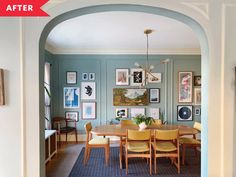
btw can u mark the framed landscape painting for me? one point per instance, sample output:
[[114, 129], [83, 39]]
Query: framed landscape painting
[[122, 76], [130, 97], [185, 86], [71, 97]]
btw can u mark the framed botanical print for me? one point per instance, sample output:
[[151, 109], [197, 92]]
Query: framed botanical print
[[71, 97], [136, 111], [137, 77], [154, 78], [184, 113], [197, 81], [197, 96], [185, 87], [122, 76], [122, 112], [72, 115], [71, 77], [88, 110], [154, 95], [88, 90]]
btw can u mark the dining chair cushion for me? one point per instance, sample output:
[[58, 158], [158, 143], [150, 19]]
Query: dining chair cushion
[[99, 141], [185, 140], [197, 126], [165, 146], [139, 135], [171, 135], [138, 146]]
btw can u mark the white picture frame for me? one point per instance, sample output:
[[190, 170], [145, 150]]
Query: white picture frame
[[137, 77], [72, 115], [197, 96], [71, 97], [71, 77], [88, 90], [136, 111], [122, 112], [122, 76], [184, 112], [89, 110], [84, 76], [91, 76], [154, 113], [154, 95], [154, 78]]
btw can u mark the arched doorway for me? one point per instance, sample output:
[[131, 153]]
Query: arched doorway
[[196, 27]]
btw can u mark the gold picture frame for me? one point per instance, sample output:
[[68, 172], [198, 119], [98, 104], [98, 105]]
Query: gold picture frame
[[2, 91]]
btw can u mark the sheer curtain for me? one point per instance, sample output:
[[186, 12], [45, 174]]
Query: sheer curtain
[[47, 96]]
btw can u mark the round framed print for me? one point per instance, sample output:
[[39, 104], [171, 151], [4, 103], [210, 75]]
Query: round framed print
[[184, 113]]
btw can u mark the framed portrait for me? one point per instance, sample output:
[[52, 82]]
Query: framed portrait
[[197, 111], [91, 76], [154, 113], [122, 112], [72, 115], [185, 88], [137, 77], [197, 96], [154, 95], [137, 111], [2, 91], [184, 113], [122, 76], [197, 81], [88, 90], [71, 97], [130, 97], [154, 78], [84, 76], [71, 77], [89, 110]]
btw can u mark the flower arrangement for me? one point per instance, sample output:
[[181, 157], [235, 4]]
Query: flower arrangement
[[142, 119]]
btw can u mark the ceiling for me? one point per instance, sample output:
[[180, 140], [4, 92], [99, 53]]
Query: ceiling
[[122, 32]]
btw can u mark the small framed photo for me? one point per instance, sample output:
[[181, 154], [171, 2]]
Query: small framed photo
[[122, 112], [137, 77], [72, 115], [184, 113], [71, 77], [91, 76], [84, 76], [89, 110], [122, 76], [154, 113], [137, 111], [88, 90], [197, 96], [154, 78], [71, 97], [197, 111], [154, 95], [197, 81]]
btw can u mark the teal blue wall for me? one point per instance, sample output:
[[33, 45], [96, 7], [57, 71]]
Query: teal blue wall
[[104, 67]]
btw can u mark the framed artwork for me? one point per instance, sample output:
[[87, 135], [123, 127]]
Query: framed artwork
[[71, 97], [154, 113], [130, 97], [122, 112], [154, 78], [184, 113], [137, 77], [197, 111], [197, 81], [72, 115], [185, 87], [2, 91], [197, 96], [122, 76], [137, 111], [88, 110], [84, 76], [71, 77], [154, 95], [91, 76], [88, 90]]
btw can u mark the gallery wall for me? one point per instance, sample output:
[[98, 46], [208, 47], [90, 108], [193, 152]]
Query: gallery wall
[[104, 67]]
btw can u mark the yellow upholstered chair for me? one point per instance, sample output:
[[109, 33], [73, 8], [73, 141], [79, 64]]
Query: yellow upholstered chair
[[138, 144], [190, 142], [127, 122], [166, 144], [157, 122], [98, 142]]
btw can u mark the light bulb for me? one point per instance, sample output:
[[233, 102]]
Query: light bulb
[[151, 67], [136, 64]]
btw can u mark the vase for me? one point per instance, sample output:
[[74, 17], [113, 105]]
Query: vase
[[142, 126]]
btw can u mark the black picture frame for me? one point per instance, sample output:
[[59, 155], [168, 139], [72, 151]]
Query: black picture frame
[[71, 77], [197, 81], [197, 111], [154, 95], [184, 113]]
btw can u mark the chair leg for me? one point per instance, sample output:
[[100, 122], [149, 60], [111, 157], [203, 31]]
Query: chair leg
[[178, 164], [183, 153], [76, 136], [126, 162], [150, 165], [85, 155], [66, 137], [121, 152]]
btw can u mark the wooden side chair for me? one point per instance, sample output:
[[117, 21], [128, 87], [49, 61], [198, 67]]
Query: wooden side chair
[[97, 142], [127, 122], [190, 142], [139, 144], [157, 122], [166, 144]]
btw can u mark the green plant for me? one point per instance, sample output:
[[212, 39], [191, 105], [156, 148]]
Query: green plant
[[161, 117], [142, 118]]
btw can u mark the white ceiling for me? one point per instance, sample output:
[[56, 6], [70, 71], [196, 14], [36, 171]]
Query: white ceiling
[[122, 32]]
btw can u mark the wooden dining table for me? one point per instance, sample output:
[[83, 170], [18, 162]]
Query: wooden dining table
[[120, 131]]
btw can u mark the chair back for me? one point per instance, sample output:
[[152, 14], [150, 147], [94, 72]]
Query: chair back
[[138, 135], [167, 134], [88, 127], [127, 122], [197, 126], [157, 122]]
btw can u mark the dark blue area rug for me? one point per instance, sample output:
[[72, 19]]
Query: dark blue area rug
[[137, 166]]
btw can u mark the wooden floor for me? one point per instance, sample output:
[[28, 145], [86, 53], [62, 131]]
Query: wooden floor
[[62, 163]]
